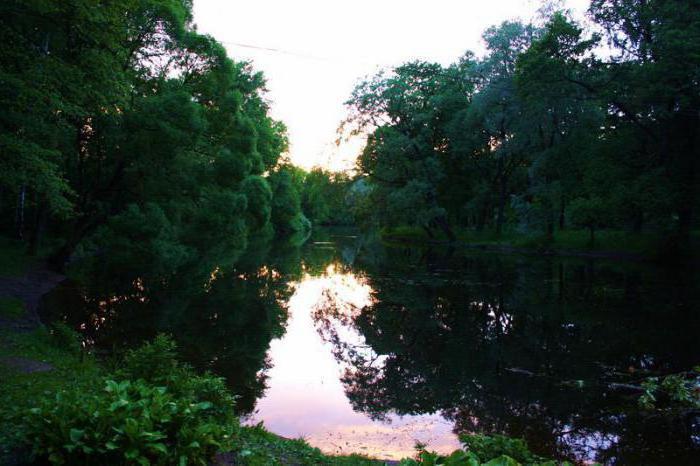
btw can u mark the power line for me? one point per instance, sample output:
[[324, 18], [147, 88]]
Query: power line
[[296, 54], [275, 50]]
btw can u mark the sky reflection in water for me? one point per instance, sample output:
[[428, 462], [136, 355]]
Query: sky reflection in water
[[305, 396]]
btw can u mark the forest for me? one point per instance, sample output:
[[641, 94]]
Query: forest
[[148, 193], [554, 128]]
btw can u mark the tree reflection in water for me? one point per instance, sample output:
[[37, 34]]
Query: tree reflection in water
[[305, 394], [521, 346], [452, 341]]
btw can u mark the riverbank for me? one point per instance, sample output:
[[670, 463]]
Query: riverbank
[[36, 364], [47, 375], [608, 244], [36, 360]]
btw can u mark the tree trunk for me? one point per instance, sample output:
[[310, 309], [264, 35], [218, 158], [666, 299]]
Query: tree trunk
[[501, 205], [591, 240], [19, 218], [445, 227], [38, 228], [562, 218], [483, 215], [82, 228], [638, 222]]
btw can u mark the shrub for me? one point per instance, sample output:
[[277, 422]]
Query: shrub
[[153, 362], [166, 414], [64, 337], [482, 450], [488, 447]]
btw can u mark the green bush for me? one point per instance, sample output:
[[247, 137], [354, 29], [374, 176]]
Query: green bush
[[154, 362], [488, 447], [482, 450], [165, 414], [65, 338]]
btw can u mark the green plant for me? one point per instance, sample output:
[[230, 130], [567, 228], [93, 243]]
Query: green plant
[[11, 308], [488, 447], [673, 389], [482, 450], [153, 362], [126, 422], [64, 337], [184, 418]]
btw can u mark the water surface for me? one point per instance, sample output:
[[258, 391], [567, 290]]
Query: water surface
[[360, 347]]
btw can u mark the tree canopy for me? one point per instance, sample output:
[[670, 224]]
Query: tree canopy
[[552, 127]]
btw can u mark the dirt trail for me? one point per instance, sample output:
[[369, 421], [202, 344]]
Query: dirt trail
[[29, 288]]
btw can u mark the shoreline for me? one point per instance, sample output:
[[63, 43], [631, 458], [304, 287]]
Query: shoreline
[[510, 249]]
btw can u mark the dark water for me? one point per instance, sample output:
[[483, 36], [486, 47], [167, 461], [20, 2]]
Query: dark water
[[363, 347]]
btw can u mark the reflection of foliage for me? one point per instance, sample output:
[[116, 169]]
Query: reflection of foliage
[[521, 347], [676, 389], [223, 317]]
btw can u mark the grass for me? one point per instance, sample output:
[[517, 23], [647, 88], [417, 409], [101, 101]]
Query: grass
[[260, 447], [567, 241], [21, 390], [14, 259], [11, 308]]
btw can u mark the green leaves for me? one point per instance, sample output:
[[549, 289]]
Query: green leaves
[[76, 435], [676, 390], [481, 450], [188, 416]]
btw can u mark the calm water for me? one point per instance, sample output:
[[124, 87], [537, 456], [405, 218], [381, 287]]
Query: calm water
[[361, 347]]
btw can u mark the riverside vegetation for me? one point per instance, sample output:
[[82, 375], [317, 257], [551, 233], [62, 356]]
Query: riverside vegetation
[[134, 148], [152, 409]]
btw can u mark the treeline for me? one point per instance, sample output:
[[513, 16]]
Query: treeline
[[123, 129], [553, 128]]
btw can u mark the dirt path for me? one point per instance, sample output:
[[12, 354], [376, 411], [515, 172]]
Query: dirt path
[[28, 288]]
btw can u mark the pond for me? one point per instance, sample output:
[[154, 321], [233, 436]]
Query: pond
[[359, 346]]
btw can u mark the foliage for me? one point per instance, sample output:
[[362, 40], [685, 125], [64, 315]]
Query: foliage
[[169, 415], [11, 308], [128, 422], [479, 450], [120, 126], [13, 257], [671, 390], [65, 338], [543, 132]]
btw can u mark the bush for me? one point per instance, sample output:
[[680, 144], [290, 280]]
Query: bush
[[65, 338], [488, 447], [166, 414], [497, 450], [153, 362]]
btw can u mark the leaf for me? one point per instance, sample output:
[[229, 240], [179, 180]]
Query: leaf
[[118, 404], [159, 447], [76, 435], [204, 405], [502, 460]]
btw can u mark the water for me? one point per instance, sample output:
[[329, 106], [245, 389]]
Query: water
[[360, 347]]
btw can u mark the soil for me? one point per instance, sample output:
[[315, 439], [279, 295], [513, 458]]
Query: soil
[[28, 288]]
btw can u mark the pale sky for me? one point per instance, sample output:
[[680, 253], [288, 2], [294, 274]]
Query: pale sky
[[325, 46]]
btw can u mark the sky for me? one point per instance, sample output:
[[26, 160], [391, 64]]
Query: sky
[[313, 52]]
